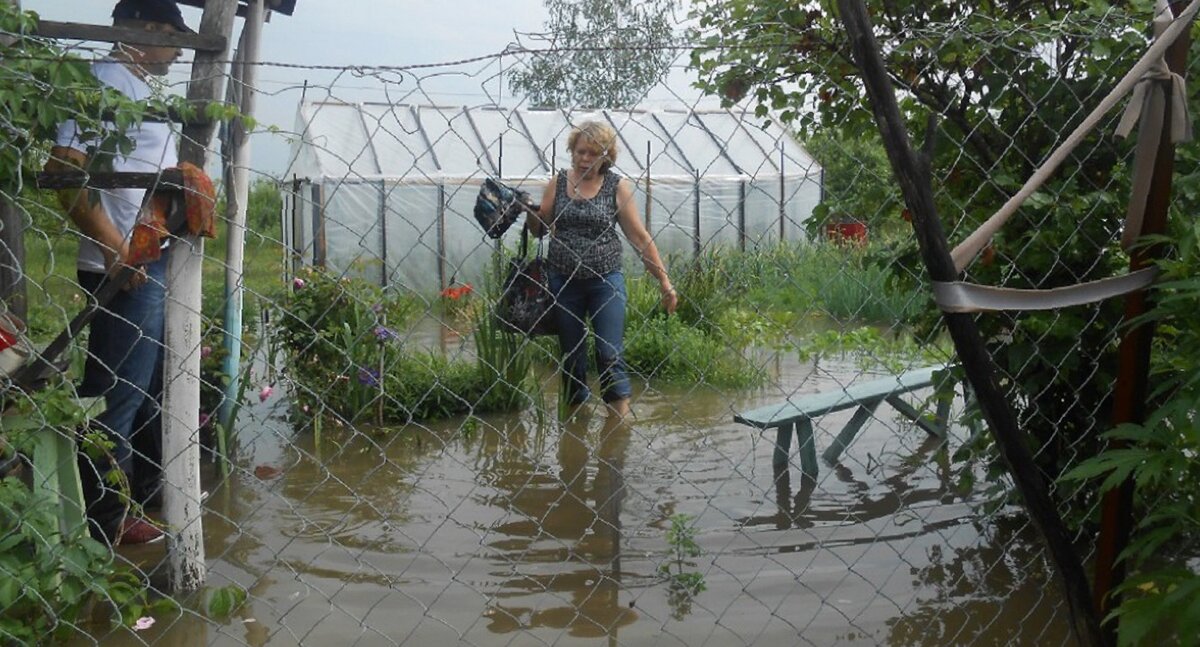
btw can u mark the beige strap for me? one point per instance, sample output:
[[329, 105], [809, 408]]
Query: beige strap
[[969, 248], [958, 296], [1147, 108]]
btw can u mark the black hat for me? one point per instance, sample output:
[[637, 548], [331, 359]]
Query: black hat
[[164, 11]]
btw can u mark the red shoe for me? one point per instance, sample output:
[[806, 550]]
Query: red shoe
[[136, 530]]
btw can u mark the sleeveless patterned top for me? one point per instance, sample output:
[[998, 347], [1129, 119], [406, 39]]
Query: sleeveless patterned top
[[585, 241]]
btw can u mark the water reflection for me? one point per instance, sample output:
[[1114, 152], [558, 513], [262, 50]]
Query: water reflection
[[562, 555], [861, 501], [999, 592]]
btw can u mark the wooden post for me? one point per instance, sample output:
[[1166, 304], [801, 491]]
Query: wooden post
[[181, 394], [1133, 355], [12, 242], [913, 174], [12, 259], [237, 198]]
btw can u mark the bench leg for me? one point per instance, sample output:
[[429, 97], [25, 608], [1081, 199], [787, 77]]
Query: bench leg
[[942, 417], [808, 448], [783, 445], [844, 438], [907, 410]]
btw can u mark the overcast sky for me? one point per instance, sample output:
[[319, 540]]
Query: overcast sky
[[369, 33]]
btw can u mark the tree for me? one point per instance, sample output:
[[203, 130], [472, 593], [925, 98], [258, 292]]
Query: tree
[[1006, 81], [602, 54]]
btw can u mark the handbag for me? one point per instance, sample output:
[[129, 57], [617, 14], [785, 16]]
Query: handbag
[[526, 303], [498, 206]]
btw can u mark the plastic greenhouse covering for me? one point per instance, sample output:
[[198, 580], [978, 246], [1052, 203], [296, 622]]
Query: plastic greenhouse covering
[[386, 191]]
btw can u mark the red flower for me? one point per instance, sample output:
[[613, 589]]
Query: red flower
[[456, 293]]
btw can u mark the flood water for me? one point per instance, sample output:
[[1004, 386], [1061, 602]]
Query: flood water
[[511, 532]]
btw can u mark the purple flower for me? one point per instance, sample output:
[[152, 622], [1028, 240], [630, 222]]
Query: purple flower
[[204, 419], [368, 377], [298, 283], [265, 393], [143, 624], [383, 333], [205, 351]]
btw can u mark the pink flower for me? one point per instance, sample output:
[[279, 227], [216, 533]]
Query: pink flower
[[265, 393], [143, 624], [205, 351], [298, 283]]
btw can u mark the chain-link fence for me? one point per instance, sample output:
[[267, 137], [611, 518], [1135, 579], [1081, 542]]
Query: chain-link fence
[[385, 462]]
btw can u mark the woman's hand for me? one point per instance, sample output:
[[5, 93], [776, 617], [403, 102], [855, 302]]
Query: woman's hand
[[670, 298]]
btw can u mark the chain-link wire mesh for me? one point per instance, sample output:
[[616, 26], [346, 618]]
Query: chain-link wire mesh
[[401, 469]]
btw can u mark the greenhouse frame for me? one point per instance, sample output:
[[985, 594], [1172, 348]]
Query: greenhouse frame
[[386, 191]]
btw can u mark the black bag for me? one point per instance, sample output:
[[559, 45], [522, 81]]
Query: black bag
[[497, 207], [526, 303]]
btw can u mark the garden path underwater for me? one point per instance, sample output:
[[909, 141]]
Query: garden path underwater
[[506, 531]]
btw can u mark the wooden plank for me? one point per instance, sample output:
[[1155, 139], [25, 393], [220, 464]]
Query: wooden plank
[[808, 448], [166, 180], [844, 438], [783, 445], [181, 393], [910, 412], [818, 404], [13, 292], [110, 34]]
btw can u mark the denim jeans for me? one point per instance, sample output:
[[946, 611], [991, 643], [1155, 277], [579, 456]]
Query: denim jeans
[[600, 300], [124, 365]]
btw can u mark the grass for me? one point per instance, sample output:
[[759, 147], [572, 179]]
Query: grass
[[730, 302]]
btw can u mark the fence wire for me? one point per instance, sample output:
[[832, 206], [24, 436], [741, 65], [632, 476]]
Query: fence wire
[[402, 470]]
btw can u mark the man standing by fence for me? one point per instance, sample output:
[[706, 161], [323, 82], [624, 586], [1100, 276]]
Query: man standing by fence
[[125, 350]]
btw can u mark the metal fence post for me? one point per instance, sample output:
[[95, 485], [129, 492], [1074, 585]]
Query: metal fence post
[[242, 81]]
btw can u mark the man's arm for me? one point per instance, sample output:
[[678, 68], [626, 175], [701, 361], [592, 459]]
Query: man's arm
[[87, 214]]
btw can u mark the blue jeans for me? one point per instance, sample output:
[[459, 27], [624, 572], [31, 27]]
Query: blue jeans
[[602, 301], [124, 365]]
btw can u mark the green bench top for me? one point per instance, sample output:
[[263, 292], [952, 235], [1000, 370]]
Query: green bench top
[[812, 405]]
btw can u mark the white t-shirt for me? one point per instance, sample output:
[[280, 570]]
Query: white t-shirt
[[154, 149]]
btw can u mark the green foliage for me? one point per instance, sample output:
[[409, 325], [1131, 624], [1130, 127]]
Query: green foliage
[[683, 585], [1160, 599], [1006, 80], [50, 576], [41, 86], [856, 182], [346, 354], [872, 347], [504, 362], [223, 601], [47, 580], [667, 349], [622, 54]]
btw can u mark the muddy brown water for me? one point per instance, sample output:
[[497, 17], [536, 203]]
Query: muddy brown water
[[511, 532]]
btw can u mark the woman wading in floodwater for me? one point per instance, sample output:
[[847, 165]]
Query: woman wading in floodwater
[[582, 208]]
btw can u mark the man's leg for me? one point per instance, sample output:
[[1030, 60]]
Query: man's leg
[[124, 346]]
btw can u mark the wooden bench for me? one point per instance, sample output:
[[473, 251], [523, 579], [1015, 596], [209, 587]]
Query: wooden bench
[[798, 413]]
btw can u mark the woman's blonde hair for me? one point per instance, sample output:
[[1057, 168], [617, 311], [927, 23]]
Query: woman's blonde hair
[[600, 135]]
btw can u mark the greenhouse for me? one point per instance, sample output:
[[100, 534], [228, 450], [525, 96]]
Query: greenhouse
[[386, 191]]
